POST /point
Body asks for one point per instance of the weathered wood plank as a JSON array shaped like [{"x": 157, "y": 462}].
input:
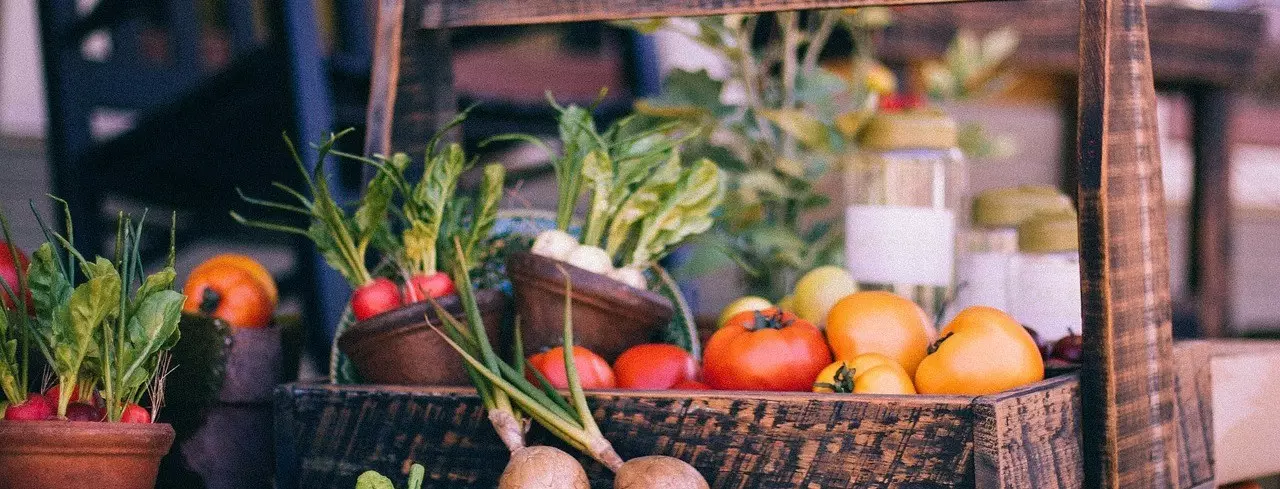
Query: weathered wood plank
[
  {"x": 411, "y": 90},
  {"x": 1188, "y": 46},
  {"x": 461, "y": 13},
  {"x": 1194, "y": 390},
  {"x": 1127, "y": 384},
  {"x": 1029, "y": 437},
  {"x": 734, "y": 439}
]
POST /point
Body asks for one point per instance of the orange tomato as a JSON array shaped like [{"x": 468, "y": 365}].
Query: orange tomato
[
  {"x": 982, "y": 351},
  {"x": 879, "y": 322},
  {"x": 768, "y": 350},
  {"x": 593, "y": 370},
  {"x": 228, "y": 293},
  {"x": 247, "y": 264},
  {"x": 654, "y": 366}
]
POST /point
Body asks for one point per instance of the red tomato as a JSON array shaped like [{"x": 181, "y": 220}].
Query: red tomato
[
  {"x": 654, "y": 366},
  {"x": 9, "y": 273},
  {"x": 35, "y": 408},
  {"x": 691, "y": 385},
  {"x": 134, "y": 413},
  {"x": 374, "y": 298},
  {"x": 593, "y": 371},
  {"x": 769, "y": 350},
  {"x": 421, "y": 287}
]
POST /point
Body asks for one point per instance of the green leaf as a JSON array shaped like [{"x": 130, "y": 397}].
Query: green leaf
[
  {"x": 804, "y": 127},
  {"x": 485, "y": 214},
  {"x": 154, "y": 328},
  {"x": 90, "y": 304},
  {"x": 373, "y": 480},
  {"x": 687, "y": 93}
]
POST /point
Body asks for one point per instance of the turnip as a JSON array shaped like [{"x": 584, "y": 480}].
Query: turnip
[
  {"x": 590, "y": 258},
  {"x": 630, "y": 276},
  {"x": 570, "y": 419},
  {"x": 543, "y": 467},
  {"x": 554, "y": 244},
  {"x": 658, "y": 472}
]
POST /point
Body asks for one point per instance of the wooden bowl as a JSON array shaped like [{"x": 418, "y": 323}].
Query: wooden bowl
[
  {"x": 608, "y": 316},
  {"x": 399, "y": 347}
]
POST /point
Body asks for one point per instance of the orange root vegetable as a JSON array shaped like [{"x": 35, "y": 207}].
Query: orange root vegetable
[
  {"x": 543, "y": 467},
  {"x": 658, "y": 472}
]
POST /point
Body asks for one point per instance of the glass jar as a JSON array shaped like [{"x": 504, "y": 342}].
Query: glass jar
[
  {"x": 985, "y": 268},
  {"x": 1045, "y": 293},
  {"x": 903, "y": 193}
]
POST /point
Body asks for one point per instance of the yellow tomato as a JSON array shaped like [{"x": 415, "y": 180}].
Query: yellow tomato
[
  {"x": 819, "y": 289},
  {"x": 748, "y": 303},
  {"x": 873, "y": 373},
  {"x": 982, "y": 351},
  {"x": 879, "y": 322}
]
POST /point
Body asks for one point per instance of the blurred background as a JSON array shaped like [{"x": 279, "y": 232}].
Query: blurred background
[{"x": 172, "y": 105}]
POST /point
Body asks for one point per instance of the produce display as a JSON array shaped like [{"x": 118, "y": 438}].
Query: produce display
[{"x": 103, "y": 328}]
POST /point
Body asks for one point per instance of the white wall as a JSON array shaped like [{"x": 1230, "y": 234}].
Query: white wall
[{"x": 22, "y": 111}]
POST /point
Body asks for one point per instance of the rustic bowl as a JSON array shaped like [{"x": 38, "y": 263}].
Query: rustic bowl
[
  {"x": 399, "y": 347},
  {"x": 608, "y": 316},
  {"x": 81, "y": 454}
]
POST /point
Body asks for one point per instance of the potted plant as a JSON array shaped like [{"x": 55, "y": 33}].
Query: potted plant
[
  {"x": 385, "y": 334},
  {"x": 642, "y": 202},
  {"x": 104, "y": 330}
]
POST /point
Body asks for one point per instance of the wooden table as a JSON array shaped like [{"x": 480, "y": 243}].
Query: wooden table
[{"x": 1204, "y": 54}]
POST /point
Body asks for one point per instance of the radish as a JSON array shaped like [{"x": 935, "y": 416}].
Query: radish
[
  {"x": 76, "y": 396},
  {"x": 376, "y": 297},
  {"x": 590, "y": 258},
  {"x": 433, "y": 286},
  {"x": 630, "y": 276},
  {"x": 554, "y": 244},
  {"x": 36, "y": 408},
  {"x": 134, "y": 413},
  {"x": 13, "y": 262},
  {"x": 79, "y": 411}
]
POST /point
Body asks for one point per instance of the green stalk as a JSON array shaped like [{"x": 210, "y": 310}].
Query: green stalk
[{"x": 571, "y": 367}]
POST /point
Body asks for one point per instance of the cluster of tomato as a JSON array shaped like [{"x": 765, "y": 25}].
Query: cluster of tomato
[{"x": 873, "y": 342}]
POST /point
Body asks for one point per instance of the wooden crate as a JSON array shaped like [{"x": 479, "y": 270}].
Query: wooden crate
[{"x": 1025, "y": 438}]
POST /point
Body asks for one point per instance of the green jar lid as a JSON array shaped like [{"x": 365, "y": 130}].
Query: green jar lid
[
  {"x": 1049, "y": 232},
  {"x": 907, "y": 130},
  {"x": 1009, "y": 206}
]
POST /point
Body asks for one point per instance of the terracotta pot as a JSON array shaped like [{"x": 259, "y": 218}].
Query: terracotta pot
[
  {"x": 608, "y": 316},
  {"x": 38, "y": 454},
  {"x": 398, "y": 347}
]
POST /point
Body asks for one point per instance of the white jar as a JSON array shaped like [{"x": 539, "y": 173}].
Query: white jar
[{"x": 1045, "y": 293}]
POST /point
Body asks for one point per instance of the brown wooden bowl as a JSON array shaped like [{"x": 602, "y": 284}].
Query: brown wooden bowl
[
  {"x": 399, "y": 347},
  {"x": 81, "y": 454},
  {"x": 608, "y": 316}
]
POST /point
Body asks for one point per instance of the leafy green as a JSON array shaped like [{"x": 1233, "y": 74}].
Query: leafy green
[
  {"x": 373, "y": 480},
  {"x": 15, "y": 327}
]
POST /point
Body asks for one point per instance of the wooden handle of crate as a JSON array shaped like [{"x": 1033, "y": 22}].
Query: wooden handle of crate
[{"x": 1127, "y": 383}]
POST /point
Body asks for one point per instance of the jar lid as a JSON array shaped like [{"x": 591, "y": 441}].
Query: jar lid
[
  {"x": 1049, "y": 232},
  {"x": 1009, "y": 206},
  {"x": 910, "y": 129}
]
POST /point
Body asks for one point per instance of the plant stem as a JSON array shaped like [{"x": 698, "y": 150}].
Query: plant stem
[{"x": 789, "y": 23}]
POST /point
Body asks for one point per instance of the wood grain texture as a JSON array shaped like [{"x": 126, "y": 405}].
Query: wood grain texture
[
  {"x": 1194, "y": 391},
  {"x": 1127, "y": 384},
  {"x": 734, "y": 439},
  {"x": 1029, "y": 437},
  {"x": 411, "y": 90},
  {"x": 460, "y": 13},
  {"x": 1188, "y": 46}
]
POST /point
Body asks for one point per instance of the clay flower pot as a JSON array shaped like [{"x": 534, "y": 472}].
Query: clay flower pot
[
  {"x": 81, "y": 454},
  {"x": 608, "y": 316},
  {"x": 398, "y": 347}
]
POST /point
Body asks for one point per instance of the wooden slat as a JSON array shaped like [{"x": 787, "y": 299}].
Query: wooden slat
[
  {"x": 1029, "y": 437},
  {"x": 735, "y": 439},
  {"x": 1209, "y": 273},
  {"x": 461, "y": 13},
  {"x": 411, "y": 92},
  {"x": 1187, "y": 45},
  {"x": 1127, "y": 382},
  {"x": 1194, "y": 391}
]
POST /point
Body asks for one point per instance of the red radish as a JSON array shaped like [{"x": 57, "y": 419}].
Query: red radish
[
  {"x": 376, "y": 297},
  {"x": 691, "y": 385},
  {"x": 9, "y": 273},
  {"x": 79, "y": 411},
  {"x": 36, "y": 408},
  {"x": 134, "y": 413},
  {"x": 422, "y": 287},
  {"x": 53, "y": 392}
]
